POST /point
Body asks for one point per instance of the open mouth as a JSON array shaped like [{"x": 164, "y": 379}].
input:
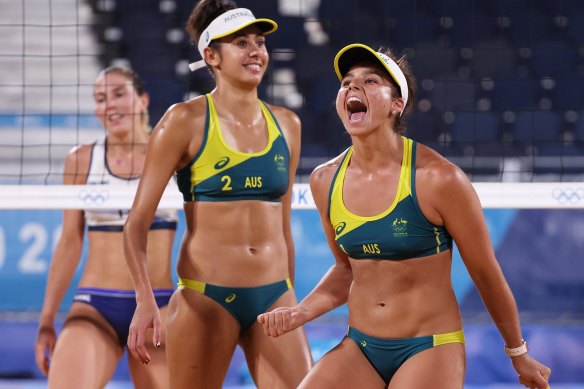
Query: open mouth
[{"x": 356, "y": 109}]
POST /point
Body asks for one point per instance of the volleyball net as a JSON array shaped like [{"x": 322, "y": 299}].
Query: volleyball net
[
  {"x": 500, "y": 83},
  {"x": 498, "y": 87},
  {"x": 499, "y": 93}
]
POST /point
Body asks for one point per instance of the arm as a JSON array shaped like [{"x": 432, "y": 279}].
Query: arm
[
  {"x": 167, "y": 146},
  {"x": 458, "y": 205},
  {"x": 64, "y": 261},
  {"x": 333, "y": 289},
  {"x": 290, "y": 124}
]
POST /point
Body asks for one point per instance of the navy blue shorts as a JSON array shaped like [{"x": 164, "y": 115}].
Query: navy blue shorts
[{"x": 118, "y": 306}]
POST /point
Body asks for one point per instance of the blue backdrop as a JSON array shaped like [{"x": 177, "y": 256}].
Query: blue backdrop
[{"x": 540, "y": 252}]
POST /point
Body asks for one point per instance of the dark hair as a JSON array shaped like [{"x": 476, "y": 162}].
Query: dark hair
[
  {"x": 129, "y": 74},
  {"x": 404, "y": 65},
  {"x": 204, "y": 13}
]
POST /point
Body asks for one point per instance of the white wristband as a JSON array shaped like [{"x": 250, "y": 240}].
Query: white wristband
[{"x": 517, "y": 351}]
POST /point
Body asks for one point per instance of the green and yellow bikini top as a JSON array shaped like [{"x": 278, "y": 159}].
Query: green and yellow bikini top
[
  {"x": 400, "y": 232},
  {"x": 220, "y": 173}
]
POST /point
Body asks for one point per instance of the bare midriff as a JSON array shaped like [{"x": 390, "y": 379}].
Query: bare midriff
[
  {"x": 401, "y": 299},
  {"x": 106, "y": 266},
  {"x": 237, "y": 243}
]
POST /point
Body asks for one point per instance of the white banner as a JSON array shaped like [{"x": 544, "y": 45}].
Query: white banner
[{"x": 492, "y": 195}]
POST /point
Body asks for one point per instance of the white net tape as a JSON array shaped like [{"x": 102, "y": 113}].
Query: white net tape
[{"x": 491, "y": 194}]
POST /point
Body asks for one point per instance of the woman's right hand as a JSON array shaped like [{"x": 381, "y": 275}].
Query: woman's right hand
[
  {"x": 147, "y": 315},
  {"x": 44, "y": 346},
  {"x": 282, "y": 320},
  {"x": 532, "y": 374}
]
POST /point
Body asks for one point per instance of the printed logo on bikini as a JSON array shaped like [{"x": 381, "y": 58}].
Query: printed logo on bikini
[
  {"x": 222, "y": 163},
  {"x": 280, "y": 162},
  {"x": 340, "y": 227},
  {"x": 230, "y": 298},
  {"x": 400, "y": 228}
]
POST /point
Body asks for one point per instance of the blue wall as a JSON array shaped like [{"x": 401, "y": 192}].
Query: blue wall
[{"x": 540, "y": 252}]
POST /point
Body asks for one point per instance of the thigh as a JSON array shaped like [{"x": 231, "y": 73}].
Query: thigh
[
  {"x": 86, "y": 353},
  {"x": 441, "y": 367},
  {"x": 201, "y": 337},
  {"x": 344, "y": 366},
  {"x": 277, "y": 362},
  {"x": 155, "y": 374}
]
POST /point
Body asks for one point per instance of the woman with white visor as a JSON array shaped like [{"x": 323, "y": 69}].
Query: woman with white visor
[{"x": 235, "y": 158}]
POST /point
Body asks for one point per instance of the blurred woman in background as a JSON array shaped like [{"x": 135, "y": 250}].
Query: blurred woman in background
[{"x": 92, "y": 341}]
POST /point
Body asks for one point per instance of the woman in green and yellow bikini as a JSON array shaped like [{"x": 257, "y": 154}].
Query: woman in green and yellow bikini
[
  {"x": 235, "y": 158},
  {"x": 390, "y": 209}
]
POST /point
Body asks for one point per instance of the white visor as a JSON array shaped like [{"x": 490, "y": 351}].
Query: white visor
[
  {"x": 226, "y": 24},
  {"x": 356, "y": 52}
]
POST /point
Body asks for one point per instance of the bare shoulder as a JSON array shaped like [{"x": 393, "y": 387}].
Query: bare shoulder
[
  {"x": 439, "y": 182},
  {"x": 196, "y": 106},
  {"x": 185, "y": 115},
  {"x": 180, "y": 132},
  {"x": 81, "y": 151},
  {"x": 431, "y": 167},
  {"x": 322, "y": 177},
  {"x": 286, "y": 117},
  {"x": 325, "y": 171},
  {"x": 77, "y": 164}
]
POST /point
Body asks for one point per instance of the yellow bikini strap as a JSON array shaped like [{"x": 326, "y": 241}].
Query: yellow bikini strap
[{"x": 197, "y": 286}]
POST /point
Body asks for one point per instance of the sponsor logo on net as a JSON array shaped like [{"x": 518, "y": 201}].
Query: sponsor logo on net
[
  {"x": 568, "y": 195},
  {"x": 94, "y": 196}
]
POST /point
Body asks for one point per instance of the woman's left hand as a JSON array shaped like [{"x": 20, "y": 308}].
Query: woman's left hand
[{"x": 146, "y": 316}]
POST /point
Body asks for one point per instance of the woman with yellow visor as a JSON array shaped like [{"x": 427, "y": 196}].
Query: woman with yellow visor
[{"x": 391, "y": 209}]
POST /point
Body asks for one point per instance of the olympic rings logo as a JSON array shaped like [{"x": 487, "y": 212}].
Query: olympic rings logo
[
  {"x": 94, "y": 197},
  {"x": 568, "y": 195}
]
